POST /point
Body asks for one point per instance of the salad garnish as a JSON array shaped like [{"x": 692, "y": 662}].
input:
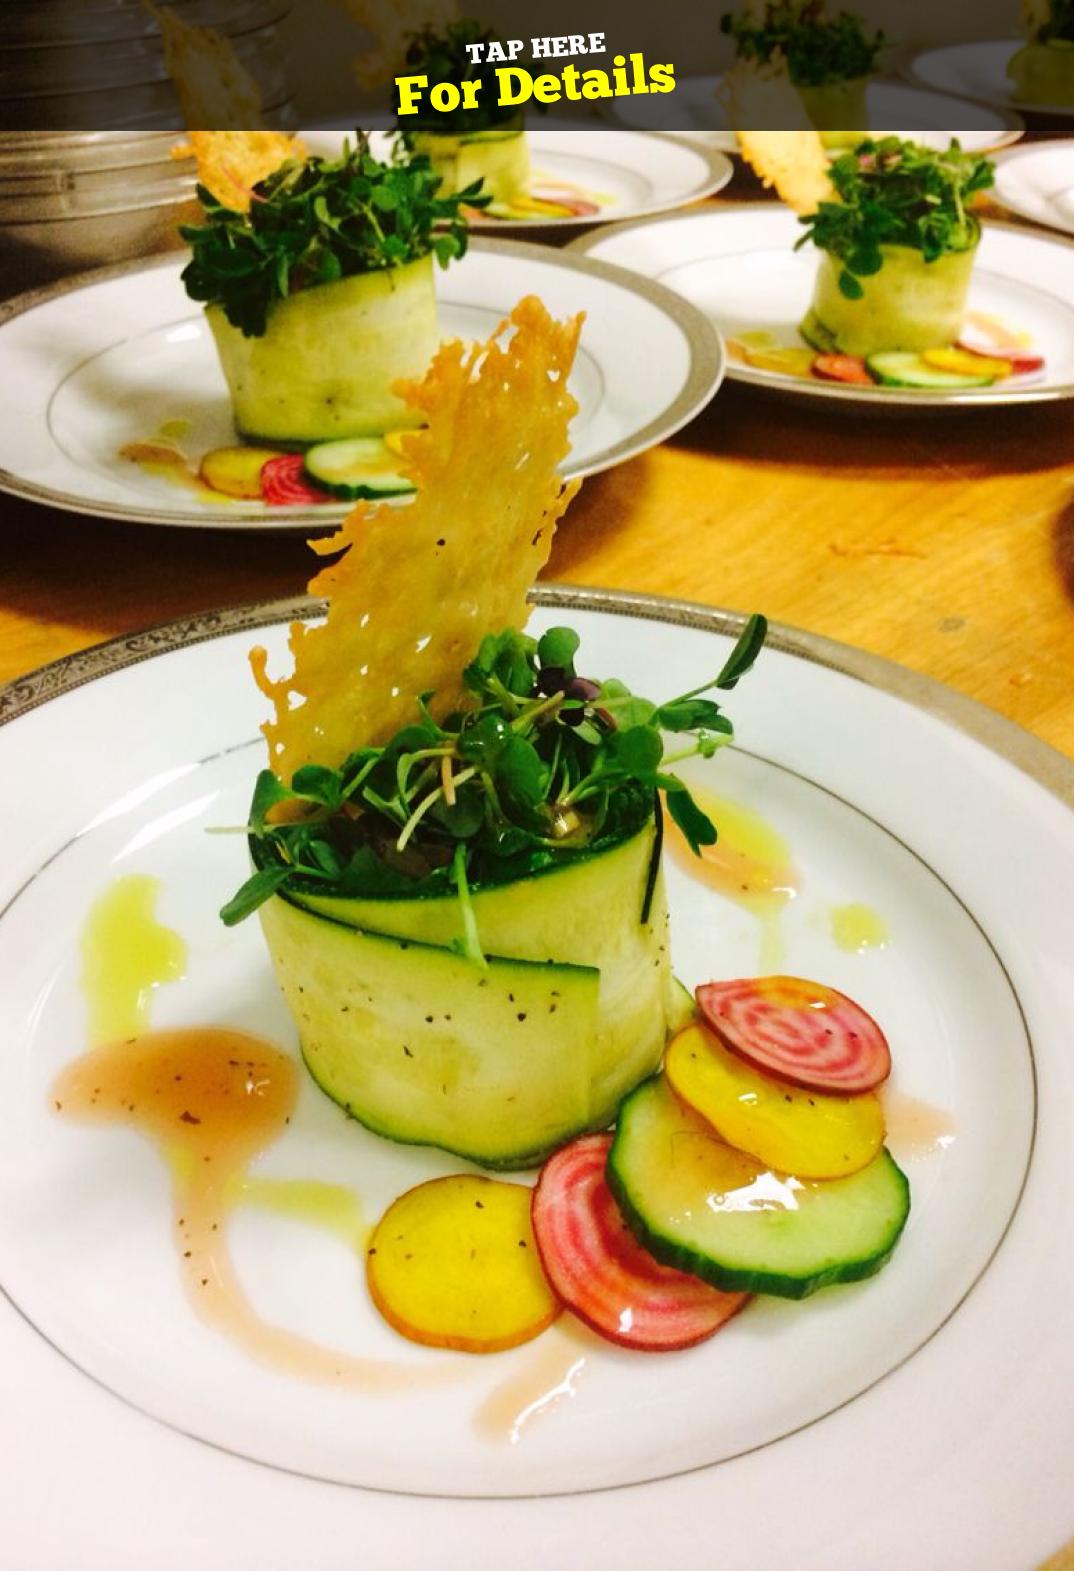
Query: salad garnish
[
  {"x": 818, "y": 49},
  {"x": 441, "y": 55},
  {"x": 892, "y": 192},
  {"x": 540, "y": 763},
  {"x": 316, "y": 221}
]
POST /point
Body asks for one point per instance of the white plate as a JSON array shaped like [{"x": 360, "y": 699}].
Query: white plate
[
  {"x": 94, "y": 363},
  {"x": 977, "y": 70},
  {"x": 631, "y": 174},
  {"x": 1038, "y": 183},
  {"x": 890, "y": 104},
  {"x": 739, "y": 266},
  {"x": 922, "y": 1418}
]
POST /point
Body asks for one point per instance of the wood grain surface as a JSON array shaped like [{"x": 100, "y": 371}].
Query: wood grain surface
[{"x": 945, "y": 542}]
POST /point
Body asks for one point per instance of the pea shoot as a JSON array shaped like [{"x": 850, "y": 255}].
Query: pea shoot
[
  {"x": 318, "y": 221},
  {"x": 541, "y": 765},
  {"x": 819, "y": 49}
]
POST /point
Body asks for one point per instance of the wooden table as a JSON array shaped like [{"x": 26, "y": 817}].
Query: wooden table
[{"x": 943, "y": 542}]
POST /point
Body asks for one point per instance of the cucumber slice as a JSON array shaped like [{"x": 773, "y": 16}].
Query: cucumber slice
[
  {"x": 703, "y": 1207},
  {"x": 360, "y": 467},
  {"x": 326, "y": 366},
  {"x": 423, "y": 1046},
  {"x": 900, "y": 368},
  {"x": 500, "y": 1065}
]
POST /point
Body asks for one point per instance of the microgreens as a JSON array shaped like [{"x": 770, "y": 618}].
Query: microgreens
[
  {"x": 818, "y": 49},
  {"x": 897, "y": 193},
  {"x": 316, "y": 222},
  {"x": 540, "y": 764},
  {"x": 442, "y": 57}
]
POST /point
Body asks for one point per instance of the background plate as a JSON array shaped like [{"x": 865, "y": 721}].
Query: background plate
[
  {"x": 1038, "y": 183},
  {"x": 104, "y": 360},
  {"x": 739, "y": 266},
  {"x": 978, "y": 70},
  {"x": 633, "y": 174},
  {"x": 890, "y": 104},
  {"x": 970, "y": 1334}
]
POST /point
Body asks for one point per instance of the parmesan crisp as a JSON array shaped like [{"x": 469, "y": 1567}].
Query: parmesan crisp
[
  {"x": 418, "y": 586},
  {"x": 213, "y": 85},
  {"x": 230, "y": 163},
  {"x": 794, "y": 162}
]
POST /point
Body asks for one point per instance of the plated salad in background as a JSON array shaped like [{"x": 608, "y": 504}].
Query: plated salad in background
[
  {"x": 1042, "y": 71},
  {"x": 893, "y": 222},
  {"x": 799, "y": 50},
  {"x": 319, "y": 292}
]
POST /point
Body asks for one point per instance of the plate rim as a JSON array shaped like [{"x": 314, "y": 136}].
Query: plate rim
[
  {"x": 986, "y": 398},
  {"x": 705, "y": 374},
  {"x": 1028, "y": 753}
]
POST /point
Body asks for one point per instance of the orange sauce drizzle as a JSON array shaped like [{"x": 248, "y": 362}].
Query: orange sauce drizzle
[
  {"x": 212, "y": 1100},
  {"x": 548, "y": 1379},
  {"x": 913, "y": 1127}
]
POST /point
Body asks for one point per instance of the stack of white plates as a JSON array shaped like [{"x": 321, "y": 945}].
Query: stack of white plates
[
  {"x": 100, "y": 63},
  {"x": 73, "y": 199}
]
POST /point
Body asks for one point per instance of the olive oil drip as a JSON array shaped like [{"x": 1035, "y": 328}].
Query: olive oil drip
[
  {"x": 750, "y": 864},
  {"x": 857, "y": 927},
  {"x": 126, "y": 955}
]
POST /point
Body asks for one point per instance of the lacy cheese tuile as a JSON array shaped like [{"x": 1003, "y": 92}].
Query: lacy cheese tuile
[
  {"x": 212, "y": 84},
  {"x": 230, "y": 163},
  {"x": 417, "y": 588},
  {"x": 794, "y": 162}
]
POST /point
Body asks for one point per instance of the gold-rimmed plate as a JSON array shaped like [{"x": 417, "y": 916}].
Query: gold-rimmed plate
[
  {"x": 122, "y": 355},
  {"x": 966, "y": 1325},
  {"x": 739, "y": 266}
]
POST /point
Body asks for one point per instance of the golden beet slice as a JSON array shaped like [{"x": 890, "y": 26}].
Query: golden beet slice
[
  {"x": 811, "y": 1134},
  {"x": 453, "y": 1263},
  {"x": 236, "y": 471}
]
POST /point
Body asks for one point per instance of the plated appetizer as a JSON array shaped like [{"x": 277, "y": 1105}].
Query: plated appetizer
[
  {"x": 1042, "y": 71},
  {"x": 456, "y": 862},
  {"x": 470, "y": 148},
  {"x": 474, "y": 829},
  {"x": 897, "y": 237},
  {"x": 826, "y": 59},
  {"x": 897, "y": 245},
  {"x": 483, "y": 149},
  {"x": 318, "y": 286}
]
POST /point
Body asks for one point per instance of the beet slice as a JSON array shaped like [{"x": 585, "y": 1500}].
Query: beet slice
[
  {"x": 843, "y": 368},
  {"x": 599, "y": 1270},
  {"x": 284, "y": 483},
  {"x": 801, "y": 1031}
]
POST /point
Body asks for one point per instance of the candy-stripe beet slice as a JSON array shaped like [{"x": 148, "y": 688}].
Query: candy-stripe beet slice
[
  {"x": 802, "y": 1031},
  {"x": 598, "y": 1269},
  {"x": 284, "y": 483}
]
